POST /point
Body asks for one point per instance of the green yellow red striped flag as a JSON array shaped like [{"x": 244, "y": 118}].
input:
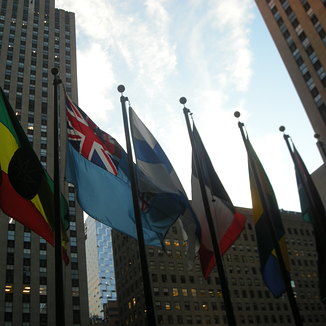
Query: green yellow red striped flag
[{"x": 26, "y": 189}]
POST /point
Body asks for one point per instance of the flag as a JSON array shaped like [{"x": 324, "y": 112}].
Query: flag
[
  {"x": 26, "y": 190},
  {"x": 97, "y": 165},
  {"x": 228, "y": 223},
  {"x": 165, "y": 199},
  {"x": 264, "y": 207},
  {"x": 312, "y": 210}
]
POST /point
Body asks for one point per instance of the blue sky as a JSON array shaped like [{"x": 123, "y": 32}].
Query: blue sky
[{"x": 220, "y": 56}]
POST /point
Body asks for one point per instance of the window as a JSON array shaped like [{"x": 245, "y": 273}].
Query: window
[
  {"x": 43, "y": 308},
  {"x": 8, "y": 306},
  {"x": 158, "y": 305},
  {"x": 156, "y": 291}
]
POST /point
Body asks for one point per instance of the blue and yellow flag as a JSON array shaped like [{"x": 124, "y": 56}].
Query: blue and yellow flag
[{"x": 265, "y": 214}]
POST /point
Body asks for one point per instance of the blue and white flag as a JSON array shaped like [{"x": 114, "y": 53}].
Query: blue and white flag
[{"x": 158, "y": 182}]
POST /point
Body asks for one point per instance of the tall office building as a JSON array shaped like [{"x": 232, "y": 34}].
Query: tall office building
[
  {"x": 183, "y": 297},
  {"x": 34, "y": 37},
  {"x": 298, "y": 28},
  {"x": 100, "y": 268}
]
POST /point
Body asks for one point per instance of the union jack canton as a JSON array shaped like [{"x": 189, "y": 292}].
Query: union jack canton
[{"x": 90, "y": 141}]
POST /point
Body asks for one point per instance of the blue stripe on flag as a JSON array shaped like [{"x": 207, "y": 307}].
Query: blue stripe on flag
[
  {"x": 151, "y": 155},
  {"x": 271, "y": 274}
]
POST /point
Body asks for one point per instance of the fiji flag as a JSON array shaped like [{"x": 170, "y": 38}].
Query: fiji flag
[
  {"x": 97, "y": 165},
  {"x": 264, "y": 205},
  {"x": 158, "y": 182}
]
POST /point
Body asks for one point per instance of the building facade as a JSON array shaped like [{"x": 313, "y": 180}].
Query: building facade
[
  {"x": 34, "y": 38},
  {"x": 183, "y": 297},
  {"x": 298, "y": 28},
  {"x": 100, "y": 267}
]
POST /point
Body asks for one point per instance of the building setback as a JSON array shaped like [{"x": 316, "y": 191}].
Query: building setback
[
  {"x": 35, "y": 37},
  {"x": 100, "y": 268},
  {"x": 298, "y": 28},
  {"x": 183, "y": 297}
]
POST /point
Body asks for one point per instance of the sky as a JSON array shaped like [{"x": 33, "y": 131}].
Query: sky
[{"x": 216, "y": 53}]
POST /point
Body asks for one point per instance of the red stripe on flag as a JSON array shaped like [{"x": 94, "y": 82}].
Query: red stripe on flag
[
  {"x": 23, "y": 210},
  {"x": 233, "y": 232},
  {"x": 207, "y": 257}
]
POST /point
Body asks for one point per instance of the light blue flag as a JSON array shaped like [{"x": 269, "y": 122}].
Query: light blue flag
[
  {"x": 97, "y": 165},
  {"x": 158, "y": 181}
]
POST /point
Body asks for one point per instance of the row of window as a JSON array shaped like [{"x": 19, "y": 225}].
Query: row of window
[
  {"x": 175, "y": 292},
  {"x": 244, "y": 320},
  {"x": 308, "y": 48}
]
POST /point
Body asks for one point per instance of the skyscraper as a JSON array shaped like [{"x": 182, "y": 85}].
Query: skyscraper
[
  {"x": 100, "y": 267},
  {"x": 298, "y": 28},
  {"x": 35, "y": 37}
]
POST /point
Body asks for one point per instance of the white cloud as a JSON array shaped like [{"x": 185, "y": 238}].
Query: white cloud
[
  {"x": 231, "y": 18},
  {"x": 159, "y": 15},
  {"x": 96, "y": 80},
  {"x": 142, "y": 43}
]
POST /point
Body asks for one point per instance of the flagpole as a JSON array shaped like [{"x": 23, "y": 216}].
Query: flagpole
[
  {"x": 218, "y": 258},
  {"x": 150, "y": 312},
  {"x": 59, "y": 292},
  {"x": 285, "y": 273}
]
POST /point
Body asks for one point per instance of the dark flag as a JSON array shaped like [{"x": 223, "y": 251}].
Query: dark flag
[{"x": 312, "y": 210}]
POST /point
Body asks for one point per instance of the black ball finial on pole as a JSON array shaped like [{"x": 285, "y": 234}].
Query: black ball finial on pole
[
  {"x": 54, "y": 71},
  {"x": 282, "y": 129},
  {"x": 237, "y": 114},
  {"x": 121, "y": 88},
  {"x": 183, "y": 100}
]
